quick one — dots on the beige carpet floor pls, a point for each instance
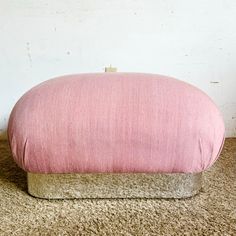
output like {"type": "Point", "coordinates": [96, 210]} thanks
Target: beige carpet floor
{"type": "Point", "coordinates": [212, 212]}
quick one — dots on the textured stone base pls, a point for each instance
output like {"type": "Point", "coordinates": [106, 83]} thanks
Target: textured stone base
{"type": "Point", "coordinates": [136, 185]}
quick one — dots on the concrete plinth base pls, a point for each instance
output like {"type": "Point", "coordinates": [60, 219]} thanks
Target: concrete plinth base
{"type": "Point", "coordinates": [109, 185]}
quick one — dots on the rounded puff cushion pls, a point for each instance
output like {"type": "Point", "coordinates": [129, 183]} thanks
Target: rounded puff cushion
{"type": "Point", "coordinates": [115, 122]}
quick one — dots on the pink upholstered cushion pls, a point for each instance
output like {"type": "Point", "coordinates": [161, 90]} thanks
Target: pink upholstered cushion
{"type": "Point", "coordinates": [115, 122]}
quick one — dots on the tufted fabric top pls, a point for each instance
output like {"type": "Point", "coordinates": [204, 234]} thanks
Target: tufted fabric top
{"type": "Point", "coordinates": [115, 122]}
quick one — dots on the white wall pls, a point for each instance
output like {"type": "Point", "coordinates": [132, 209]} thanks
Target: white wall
{"type": "Point", "coordinates": [192, 40]}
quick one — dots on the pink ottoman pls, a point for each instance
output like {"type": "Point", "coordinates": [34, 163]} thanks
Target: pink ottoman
{"type": "Point", "coordinates": [115, 135]}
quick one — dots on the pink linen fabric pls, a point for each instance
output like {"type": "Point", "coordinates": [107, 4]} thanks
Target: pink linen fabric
{"type": "Point", "coordinates": [115, 122]}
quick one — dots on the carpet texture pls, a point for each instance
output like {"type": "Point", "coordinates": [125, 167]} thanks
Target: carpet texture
{"type": "Point", "coordinates": [212, 212]}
